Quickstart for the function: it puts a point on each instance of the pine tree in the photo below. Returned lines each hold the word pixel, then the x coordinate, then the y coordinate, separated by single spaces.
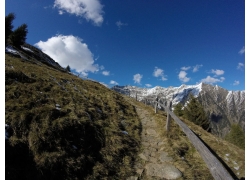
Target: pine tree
pixel 18 36
pixel 8 26
pixel 178 110
pixel 195 112
pixel 68 68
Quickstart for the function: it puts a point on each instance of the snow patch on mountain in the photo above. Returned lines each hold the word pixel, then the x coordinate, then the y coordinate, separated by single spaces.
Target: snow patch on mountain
pixel 26 49
pixel 235 97
pixel 10 49
pixel 174 94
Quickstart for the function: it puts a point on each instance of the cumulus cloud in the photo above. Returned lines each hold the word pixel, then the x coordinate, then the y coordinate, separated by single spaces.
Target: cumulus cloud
pixel 211 80
pixel 105 73
pixel 240 66
pixel 113 82
pixel 148 85
pixel 137 78
pixel 197 67
pixel 236 83
pixel 91 10
pixel 217 72
pixel 242 51
pixel 120 24
pixel 159 73
pixel 69 50
pixel 185 68
pixel 183 76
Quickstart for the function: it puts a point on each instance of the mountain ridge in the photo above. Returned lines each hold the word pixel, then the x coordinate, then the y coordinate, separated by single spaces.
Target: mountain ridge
pixel 224 107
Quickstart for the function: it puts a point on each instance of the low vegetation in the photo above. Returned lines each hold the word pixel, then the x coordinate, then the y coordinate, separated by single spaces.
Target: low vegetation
pixel 63 127
pixel 236 136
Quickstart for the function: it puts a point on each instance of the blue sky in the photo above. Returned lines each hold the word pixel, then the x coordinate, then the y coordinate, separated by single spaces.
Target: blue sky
pixel 142 43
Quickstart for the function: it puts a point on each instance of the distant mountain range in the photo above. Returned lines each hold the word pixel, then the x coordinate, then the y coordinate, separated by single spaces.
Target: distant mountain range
pixel 223 107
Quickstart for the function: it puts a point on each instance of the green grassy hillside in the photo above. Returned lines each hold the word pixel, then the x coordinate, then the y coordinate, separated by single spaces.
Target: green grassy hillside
pixel 63 127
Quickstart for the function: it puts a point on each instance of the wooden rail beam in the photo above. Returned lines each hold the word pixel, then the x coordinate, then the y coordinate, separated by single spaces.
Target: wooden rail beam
pixel 216 168
pixel 169 106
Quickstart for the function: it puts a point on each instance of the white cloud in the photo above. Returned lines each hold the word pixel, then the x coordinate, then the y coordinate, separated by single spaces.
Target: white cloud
pixel 242 51
pixel 217 72
pixel 60 12
pixel 120 24
pixel 159 73
pixel 148 85
pixel 236 83
pixel 183 76
pixel 89 9
pixel 101 67
pixel 240 66
pixel 211 80
pixel 113 82
pixel 105 73
pixel 197 67
pixel 69 50
pixel 163 78
pixel 185 68
pixel 137 78
pixel 222 79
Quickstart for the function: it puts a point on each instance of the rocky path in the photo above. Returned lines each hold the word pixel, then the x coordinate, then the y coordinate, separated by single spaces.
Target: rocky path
pixel 153 162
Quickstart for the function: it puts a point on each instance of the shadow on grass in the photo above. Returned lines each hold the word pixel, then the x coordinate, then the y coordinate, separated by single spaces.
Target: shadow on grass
pixel 221 161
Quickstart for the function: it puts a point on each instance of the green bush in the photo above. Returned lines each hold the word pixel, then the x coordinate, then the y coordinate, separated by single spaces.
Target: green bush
pixel 236 136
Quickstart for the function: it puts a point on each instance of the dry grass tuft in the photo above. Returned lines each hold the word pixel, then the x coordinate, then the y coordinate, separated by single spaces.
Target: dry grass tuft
pixel 66 127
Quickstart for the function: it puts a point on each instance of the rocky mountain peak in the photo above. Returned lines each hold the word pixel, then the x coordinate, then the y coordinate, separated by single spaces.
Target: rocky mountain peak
pixel 223 107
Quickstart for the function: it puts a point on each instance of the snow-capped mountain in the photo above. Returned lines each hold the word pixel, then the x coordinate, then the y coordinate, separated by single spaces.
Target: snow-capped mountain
pixel 223 107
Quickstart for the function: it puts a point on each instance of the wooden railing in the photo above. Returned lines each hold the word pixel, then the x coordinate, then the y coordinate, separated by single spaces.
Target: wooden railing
pixel 216 168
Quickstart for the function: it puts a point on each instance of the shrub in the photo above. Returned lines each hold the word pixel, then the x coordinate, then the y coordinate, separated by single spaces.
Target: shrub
pixel 236 136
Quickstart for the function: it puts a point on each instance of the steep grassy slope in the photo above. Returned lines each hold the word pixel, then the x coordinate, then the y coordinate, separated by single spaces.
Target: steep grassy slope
pixel 63 127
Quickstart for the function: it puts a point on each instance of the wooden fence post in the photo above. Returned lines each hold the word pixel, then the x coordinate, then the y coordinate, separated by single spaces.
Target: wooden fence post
pixel 156 104
pixel 168 107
